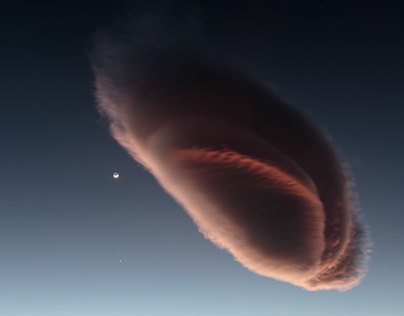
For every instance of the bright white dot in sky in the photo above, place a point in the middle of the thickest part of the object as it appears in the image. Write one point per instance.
(120, 260)
(116, 175)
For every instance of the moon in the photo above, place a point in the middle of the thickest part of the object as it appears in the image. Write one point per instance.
(116, 175)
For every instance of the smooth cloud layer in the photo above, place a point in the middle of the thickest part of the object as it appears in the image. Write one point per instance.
(256, 175)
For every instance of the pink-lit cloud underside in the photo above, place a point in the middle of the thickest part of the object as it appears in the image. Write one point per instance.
(256, 175)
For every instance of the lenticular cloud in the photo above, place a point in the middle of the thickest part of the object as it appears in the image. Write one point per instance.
(258, 177)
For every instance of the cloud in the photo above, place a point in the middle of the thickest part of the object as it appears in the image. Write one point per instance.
(255, 174)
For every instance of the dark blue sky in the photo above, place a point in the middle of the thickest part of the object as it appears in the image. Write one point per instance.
(65, 222)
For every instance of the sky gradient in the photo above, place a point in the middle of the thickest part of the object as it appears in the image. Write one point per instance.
(65, 222)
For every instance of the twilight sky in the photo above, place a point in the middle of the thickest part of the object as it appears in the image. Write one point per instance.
(76, 241)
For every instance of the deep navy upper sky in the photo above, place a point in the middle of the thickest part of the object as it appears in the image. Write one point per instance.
(65, 222)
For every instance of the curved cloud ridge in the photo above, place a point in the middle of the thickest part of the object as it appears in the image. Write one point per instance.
(258, 177)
